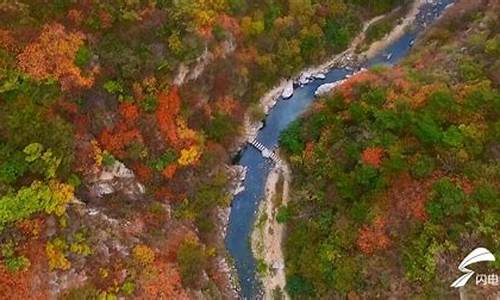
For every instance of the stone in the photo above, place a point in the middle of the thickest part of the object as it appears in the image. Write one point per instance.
(288, 90)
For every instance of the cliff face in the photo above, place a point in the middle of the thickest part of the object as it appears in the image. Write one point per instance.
(395, 173)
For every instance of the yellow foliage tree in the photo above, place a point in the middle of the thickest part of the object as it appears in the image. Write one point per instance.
(189, 156)
(143, 254)
(55, 255)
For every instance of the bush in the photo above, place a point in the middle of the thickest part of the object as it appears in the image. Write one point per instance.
(447, 200)
(423, 167)
(16, 263)
(290, 139)
(192, 260)
(297, 286)
(143, 255)
(283, 214)
(83, 56)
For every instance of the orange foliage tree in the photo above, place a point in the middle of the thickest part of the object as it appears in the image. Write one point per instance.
(169, 105)
(346, 89)
(165, 284)
(117, 139)
(372, 238)
(53, 55)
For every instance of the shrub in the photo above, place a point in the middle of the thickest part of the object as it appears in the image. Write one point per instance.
(16, 263)
(143, 254)
(192, 260)
(83, 56)
(55, 254)
(423, 166)
(283, 214)
(290, 139)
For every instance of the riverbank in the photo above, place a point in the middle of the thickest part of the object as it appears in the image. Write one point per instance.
(268, 234)
(395, 33)
(348, 57)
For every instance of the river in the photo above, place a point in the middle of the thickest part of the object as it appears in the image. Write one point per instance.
(245, 204)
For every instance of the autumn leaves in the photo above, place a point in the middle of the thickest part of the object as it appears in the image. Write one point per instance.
(52, 55)
(176, 132)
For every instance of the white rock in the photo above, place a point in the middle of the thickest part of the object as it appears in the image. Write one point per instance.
(278, 265)
(327, 87)
(320, 76)
(304, 78)
(288, 90)
(239, 189)
(141, 188)
(93, 211)
(105, 175)
(119, 170)
(103, 189)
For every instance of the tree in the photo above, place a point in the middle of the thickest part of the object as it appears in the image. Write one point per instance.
(448, 200)
(192, 259)
(189, 156)
(129, 112)
(169, 105)
(53, 55)
(290, 139)
(38, 197)
(297, 286)
(372, 156)
(374, 237)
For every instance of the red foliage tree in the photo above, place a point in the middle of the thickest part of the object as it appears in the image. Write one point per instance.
(372, 156)
(143, 172)
(31, 284)
(165, 283)
(230, 24)
(129, 112)
(347, 88)
(115, 140)
(7, 42)
(169, 171)
(373, 237)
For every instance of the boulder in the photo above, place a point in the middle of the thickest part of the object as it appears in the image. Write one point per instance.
(288, 90)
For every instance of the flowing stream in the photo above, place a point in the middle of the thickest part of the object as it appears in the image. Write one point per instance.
(245, 204)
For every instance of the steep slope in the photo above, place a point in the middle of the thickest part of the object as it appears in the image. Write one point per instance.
(117, 122)
(396, 173)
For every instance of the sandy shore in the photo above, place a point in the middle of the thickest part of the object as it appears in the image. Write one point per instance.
(396, 32)
(268, 234)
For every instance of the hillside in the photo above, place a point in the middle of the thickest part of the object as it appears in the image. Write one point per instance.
(118, 120)
(396, 173)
